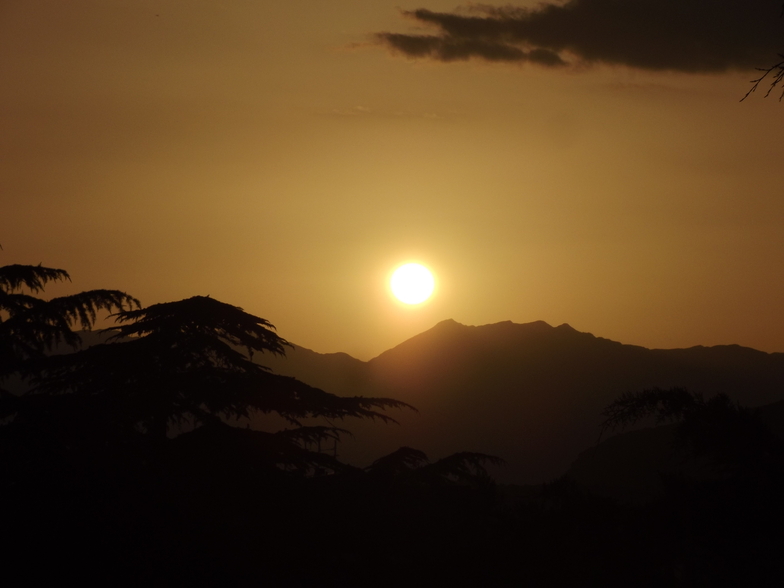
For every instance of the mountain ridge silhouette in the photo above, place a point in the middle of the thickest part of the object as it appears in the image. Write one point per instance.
(530, 393)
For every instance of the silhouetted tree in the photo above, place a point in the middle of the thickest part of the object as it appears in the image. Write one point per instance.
(730, 435)
(406, 463)
(185, 364)
(132, 451)
(400, 462)
(31, 326)
(36, 433)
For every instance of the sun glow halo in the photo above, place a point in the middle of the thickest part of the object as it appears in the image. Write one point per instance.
(412, 283)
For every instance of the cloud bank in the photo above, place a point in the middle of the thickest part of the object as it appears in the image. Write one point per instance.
(675, 35)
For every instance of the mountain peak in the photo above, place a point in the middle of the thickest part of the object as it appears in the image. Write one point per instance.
(447, 324)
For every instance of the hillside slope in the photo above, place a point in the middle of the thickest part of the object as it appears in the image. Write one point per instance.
(529, 393)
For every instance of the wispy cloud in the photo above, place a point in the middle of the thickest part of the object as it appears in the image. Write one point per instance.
(676, 35)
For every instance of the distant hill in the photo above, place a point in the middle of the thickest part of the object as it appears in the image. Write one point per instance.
(529, 393)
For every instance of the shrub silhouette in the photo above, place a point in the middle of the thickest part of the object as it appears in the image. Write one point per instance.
(726, 437)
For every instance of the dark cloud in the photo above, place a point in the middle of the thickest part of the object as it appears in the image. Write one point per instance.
(446, 48)
(677, 35)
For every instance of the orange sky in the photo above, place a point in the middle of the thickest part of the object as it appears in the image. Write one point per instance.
(283, 157)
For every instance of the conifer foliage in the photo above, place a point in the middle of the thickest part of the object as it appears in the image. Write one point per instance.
(190, 363)
(164, 369)
(31, 326)
(411, 465)
(730, 437)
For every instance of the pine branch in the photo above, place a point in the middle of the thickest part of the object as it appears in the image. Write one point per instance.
(404, 460)
(202, 314)
(83, 307)
(309, 435)
(33, 277)
(14, 303)
(463, 467)
(36, 326)
(412, 464)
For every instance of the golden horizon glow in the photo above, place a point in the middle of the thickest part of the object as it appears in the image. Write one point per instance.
(412, 283)
(168, 168)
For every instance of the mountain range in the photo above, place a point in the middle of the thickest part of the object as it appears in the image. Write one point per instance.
(531, 393)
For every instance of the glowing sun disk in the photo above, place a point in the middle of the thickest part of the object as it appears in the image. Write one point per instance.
(412, 283)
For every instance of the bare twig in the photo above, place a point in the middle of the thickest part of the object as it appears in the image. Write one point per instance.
(777, 71)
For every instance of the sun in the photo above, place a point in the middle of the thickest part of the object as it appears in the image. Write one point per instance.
(412, 283)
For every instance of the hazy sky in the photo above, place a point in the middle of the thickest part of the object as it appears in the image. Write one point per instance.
(585, 162)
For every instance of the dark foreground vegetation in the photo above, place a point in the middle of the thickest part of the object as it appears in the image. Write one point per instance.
(97, 488)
